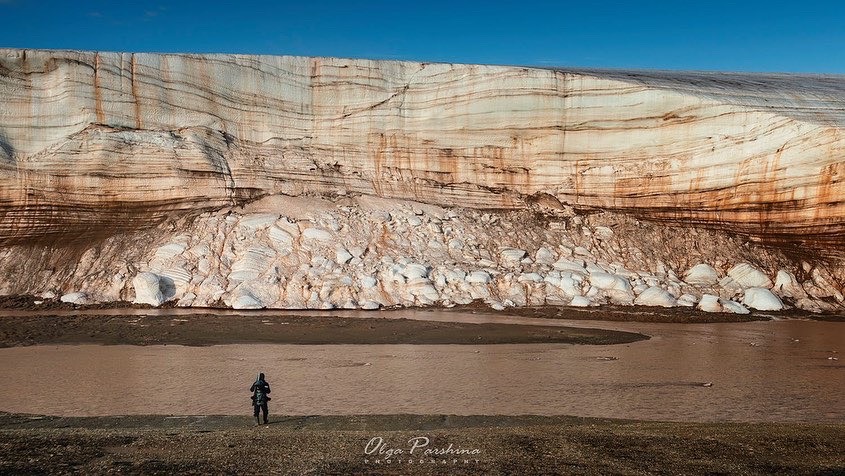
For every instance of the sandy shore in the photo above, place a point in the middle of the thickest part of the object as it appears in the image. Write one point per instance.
(337, 444)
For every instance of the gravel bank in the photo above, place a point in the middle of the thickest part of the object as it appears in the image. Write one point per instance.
(336, 445)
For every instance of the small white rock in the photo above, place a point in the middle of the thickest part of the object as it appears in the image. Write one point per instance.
(247, 301)
(545, 256)
(281, 239)
(733, 306)
(762, 299)
(186, 300)
(75, 298)
(382, 217)
(702, 274)
(530, 277)
(748, 276)
(424, 291)
(414, 271)
(512, 255)
(342, 256)
(454, 276)
(170, 250)
(609, 281)
(787, 285)
(655, 296)
(569, 265)
(478, 277)
(603, 233)
(709, 303)
(687, 300)
(148, 289)
(254, 222)
(317, 234)
(581, 251)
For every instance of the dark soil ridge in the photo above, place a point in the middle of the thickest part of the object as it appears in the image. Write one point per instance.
(326, 444)
(210, 329)
(677, 315)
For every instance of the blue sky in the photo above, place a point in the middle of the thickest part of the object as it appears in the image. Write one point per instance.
(807, 36)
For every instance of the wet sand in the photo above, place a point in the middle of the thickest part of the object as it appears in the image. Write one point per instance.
(337, 444)
(172, 327)
(675, 315)
(24, 323)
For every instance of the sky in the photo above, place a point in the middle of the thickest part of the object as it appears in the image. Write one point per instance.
(767, 36)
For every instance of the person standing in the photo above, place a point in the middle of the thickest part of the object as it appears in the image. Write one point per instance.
(260, 396)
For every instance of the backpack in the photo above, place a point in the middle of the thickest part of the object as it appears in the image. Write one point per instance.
(258, 395)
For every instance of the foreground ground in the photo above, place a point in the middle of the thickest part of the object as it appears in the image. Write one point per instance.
(336, 445)
(31, 444)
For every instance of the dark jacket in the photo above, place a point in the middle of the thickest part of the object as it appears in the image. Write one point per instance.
(259, 390)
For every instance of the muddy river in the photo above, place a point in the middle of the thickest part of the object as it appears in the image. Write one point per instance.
(788, 370)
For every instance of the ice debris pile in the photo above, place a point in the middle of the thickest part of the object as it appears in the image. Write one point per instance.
(369, 253)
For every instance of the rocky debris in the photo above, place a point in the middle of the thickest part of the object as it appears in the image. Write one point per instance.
(319, 254)
(822, 286)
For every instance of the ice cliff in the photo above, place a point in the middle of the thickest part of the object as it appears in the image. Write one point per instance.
(322, 182)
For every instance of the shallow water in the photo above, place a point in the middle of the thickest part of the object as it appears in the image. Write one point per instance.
(760, 371)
